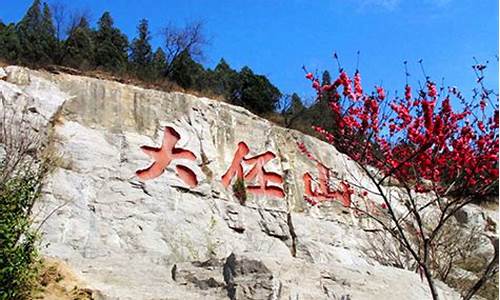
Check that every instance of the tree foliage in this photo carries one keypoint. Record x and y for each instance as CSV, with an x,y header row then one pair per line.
x,y
10,46
36,34
255,92
223,79
186,72
55,35
79,47
141,54
188,40
111,51
159,63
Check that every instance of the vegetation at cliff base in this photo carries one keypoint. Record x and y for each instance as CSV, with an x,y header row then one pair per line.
x,y
24,161
19,258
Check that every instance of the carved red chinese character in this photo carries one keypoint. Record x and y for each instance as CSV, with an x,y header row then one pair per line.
x,y
257,172
323,192
164,155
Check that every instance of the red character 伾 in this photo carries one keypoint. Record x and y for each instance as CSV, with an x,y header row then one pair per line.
x,y
263,177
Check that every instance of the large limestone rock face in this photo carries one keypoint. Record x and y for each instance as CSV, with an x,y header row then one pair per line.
x,y
183,234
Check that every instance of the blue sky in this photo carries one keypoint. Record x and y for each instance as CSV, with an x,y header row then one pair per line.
x,y
277,37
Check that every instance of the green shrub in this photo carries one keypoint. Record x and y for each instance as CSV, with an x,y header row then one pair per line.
x,y
19,258
239,191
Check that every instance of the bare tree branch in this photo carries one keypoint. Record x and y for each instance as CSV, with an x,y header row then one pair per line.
x,y
190,38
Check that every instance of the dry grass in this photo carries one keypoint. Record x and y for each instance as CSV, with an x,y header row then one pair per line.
x,y
125,78
59,282
3,63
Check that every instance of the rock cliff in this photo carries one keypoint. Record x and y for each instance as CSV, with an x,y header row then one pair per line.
x,y
141,204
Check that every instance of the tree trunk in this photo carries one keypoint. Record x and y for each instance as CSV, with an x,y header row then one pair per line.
x,y
430,282
490,270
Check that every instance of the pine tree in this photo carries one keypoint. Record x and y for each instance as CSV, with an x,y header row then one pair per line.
x,y
141,54
187,73
296,106
28,32
36,35
291,109
47,35
111,45
223,80
159,63
9,42
79,47
255,92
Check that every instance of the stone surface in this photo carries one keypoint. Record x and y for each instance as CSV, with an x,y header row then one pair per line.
x,y
261,277
131,238
3,74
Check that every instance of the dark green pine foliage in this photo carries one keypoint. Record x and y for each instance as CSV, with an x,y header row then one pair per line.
x,y
79,47
255,92
292,111
9,42
141,54
297,105
223,80
36,34
27,33
48,34
187,73
159,63
111,45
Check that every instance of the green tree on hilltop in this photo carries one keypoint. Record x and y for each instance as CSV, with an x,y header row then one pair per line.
x,y
292,109
111,45
141,54
223,79
187,73
9,42
79,47
36,35
255,92
159,63
48,34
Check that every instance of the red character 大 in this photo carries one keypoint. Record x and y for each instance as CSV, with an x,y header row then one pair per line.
x,y
257,172
164,155
323,192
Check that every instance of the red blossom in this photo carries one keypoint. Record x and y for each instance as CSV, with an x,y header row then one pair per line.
x,y
447,145
482,104
407,92
431,89
358,90
380,93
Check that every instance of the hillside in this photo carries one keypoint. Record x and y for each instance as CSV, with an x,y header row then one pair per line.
x,y
141,204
